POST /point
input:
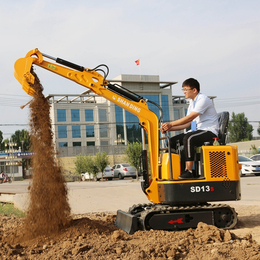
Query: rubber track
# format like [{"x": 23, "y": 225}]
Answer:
[{"x": 143, "y": 210}]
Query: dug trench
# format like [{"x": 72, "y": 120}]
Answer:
[{"x": 50, "y": 231}]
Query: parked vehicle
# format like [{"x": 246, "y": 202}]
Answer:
[
  {"x": 249, "y": 166},
  {"x": 123, "y": 170},
  {"x": 107, "y": 174},
  {"x": 255, "y": 157},
  {"x": 5, "y": 179}
]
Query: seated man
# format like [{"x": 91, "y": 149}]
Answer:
[
  {"x": 2, "y": 175},
  {"x": 203, "y": 119}
]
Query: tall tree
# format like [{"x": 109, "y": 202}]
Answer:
[
  {"x": 133, "y": 153},
  {"x": 239, "y": 129},
  {"x": 22, "y": 139},
  {"x": 91, "y": 166},
  {"x": 101, "y": 161},
  {"x": 80, "y": 164}
]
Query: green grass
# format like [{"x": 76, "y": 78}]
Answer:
[{"x": 8, "y": 209}]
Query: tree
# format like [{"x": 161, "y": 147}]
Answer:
[
  {"x": 2, "y": 144},
  {"x": 80, "y": 164},
  {"x": 258, "y": 129},
  {"x": 239, "y": 129},
  {"x": 84, "y": 163},
  {"x": 22, "y": 139},
  {"x": 101, "y": 161},
  {"x": 254, "y": 150},
  {"x": 133, "y": 153},
  {"x": 91, "y": 166}
]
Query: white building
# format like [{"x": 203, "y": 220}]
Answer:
[{"x": 87, "y": 123}]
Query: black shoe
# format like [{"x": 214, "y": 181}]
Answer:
[{"x": 186, "y": 175}]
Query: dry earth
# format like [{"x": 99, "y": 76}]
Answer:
[{"x": 94, "y": 236}]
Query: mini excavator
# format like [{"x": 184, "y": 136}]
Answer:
[{"x": 174, "y": 204}]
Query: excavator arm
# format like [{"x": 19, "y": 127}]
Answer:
[{"x": 98, "y": 84}]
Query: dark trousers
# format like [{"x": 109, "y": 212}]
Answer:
[{"x": 191, "y": 140}]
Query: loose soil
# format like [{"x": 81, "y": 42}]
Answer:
[
  {"x": 49, "y": 231},
  {"x": 94, "y": 236},
  {"x": 49, "y": 210}
]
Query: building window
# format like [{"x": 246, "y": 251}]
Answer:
[
  {"x": 76, "y": 144},
  {"x": 102, "y": 115},
  {"x": 90, "y": 131},
  {"x": 63, "y": 144},
  {"x": 176, "y": 116},
  {"x": 103, "y": 130},
  {"x": 104, "y": 143},
  {"x": 75, "y": 115},
  {"x": 152, "y": 107},
  {"x": 61, "y": 115},
  {"x": 165, "y": 108},
  {"x": 91, "y": 143},
  {"x": 76, "y": 131},
  {"x": 176, "y": 113},
  {"x": 119, "y": 121},
  {"x": 89, "y": 115},
  {"x": 133, "y": 130},
  {"x": 11, "y": 169},
  {"x": 62, "y": 131}
]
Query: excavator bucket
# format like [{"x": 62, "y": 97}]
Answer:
[{"x": 22, "y": 70}]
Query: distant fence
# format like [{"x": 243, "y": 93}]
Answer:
[
  {"x": 90, "y": 150},
  {"x": 110, "y": 150},
  {"x": 246, "y": 153}
]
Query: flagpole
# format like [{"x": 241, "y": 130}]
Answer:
[{"x": 140, "y": 72}]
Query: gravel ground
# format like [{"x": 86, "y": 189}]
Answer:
[{"x": 94, "y": 236}]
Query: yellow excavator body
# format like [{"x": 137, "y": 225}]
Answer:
[{"x": 175, "y": 204}]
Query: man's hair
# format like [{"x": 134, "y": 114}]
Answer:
[{"x": 191, "y": 82}]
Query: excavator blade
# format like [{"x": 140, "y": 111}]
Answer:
[
  {"x": 22, "y": 72},
  {"x": 126, "y": 222}
]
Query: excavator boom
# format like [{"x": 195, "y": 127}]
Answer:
[{"x": 98, "y": 84}]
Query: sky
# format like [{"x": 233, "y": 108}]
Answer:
[{"x": 215, "y": 41}]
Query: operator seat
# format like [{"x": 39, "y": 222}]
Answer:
[{"x": 223, "y": 119}]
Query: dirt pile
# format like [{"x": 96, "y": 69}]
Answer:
[
  {"x": 49, "y": 210},
  {"x": 94, "y": 236}
]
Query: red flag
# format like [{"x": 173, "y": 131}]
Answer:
[{"x": 137, "y": 62}]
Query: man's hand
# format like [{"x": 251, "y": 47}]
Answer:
[
  {"x": 171, "y": 126},
  {"x": 165, "y": 127}
]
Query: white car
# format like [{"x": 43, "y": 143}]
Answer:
[
  {"x": 123, "y": 170},
  {"x": 255, "y": 157},
  {"x": 249, "y": 166},
  {"x": 107, "y": 174}
]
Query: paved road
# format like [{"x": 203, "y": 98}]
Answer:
[{"x": 110, "y": 196}]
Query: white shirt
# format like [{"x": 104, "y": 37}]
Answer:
[{"x": 208, "y": 118}]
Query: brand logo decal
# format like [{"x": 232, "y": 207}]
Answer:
[
  {"x": 128, "y": 104},
  {"x": 179, "y": 220},
  {"x": 205, "y": 188}
]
